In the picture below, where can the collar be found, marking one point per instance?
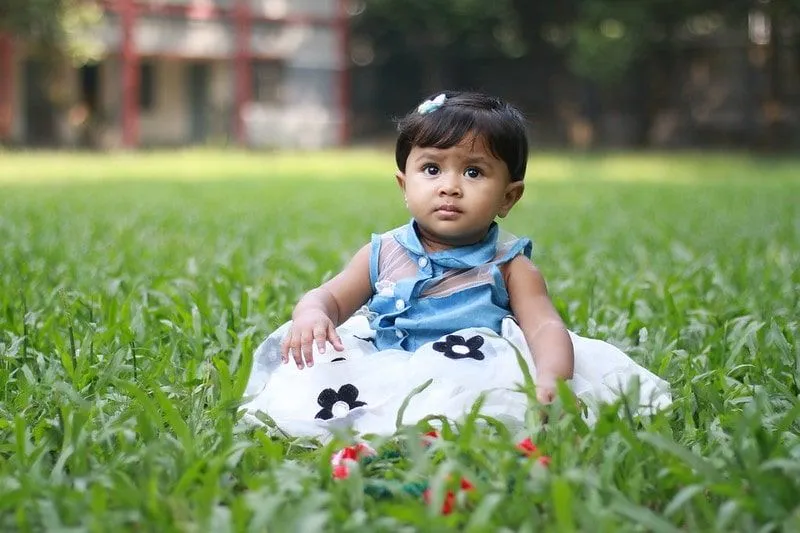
(471, 256)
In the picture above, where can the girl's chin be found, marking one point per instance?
(444, 237)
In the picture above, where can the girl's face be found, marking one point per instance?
(455, 193)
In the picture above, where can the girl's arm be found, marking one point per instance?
(320, 310)
(544, 330)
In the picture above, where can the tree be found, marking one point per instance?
(54, 29)
(56, 35)
(582, 59)
(438, 35)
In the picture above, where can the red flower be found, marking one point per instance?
(341, 471)
(429, 437)
(449, 502)
(527, 447)
(447, 505)
(350, 454)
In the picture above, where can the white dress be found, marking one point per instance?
(364, 389)
(424, 311)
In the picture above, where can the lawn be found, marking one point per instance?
(134, 288)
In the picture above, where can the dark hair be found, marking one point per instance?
(501, 125)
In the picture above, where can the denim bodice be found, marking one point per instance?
(419, 296)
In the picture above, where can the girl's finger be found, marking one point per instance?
(297, 353)
(285, 347)
(335, 339)
(306, 341)
(319, 336)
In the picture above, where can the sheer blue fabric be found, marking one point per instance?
(420, 297)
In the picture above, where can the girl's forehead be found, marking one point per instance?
(469, 145)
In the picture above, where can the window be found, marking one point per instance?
(90, 86)
(147, 86)
(267, 78)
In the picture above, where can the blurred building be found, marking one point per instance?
(181, 72)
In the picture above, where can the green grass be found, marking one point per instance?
(133, 289)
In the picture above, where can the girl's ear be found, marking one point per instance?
(401, 179)
(512, 195)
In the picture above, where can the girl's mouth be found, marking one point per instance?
(447, 212)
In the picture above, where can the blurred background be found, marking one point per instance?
(657, 74)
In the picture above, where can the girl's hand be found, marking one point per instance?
(311, 326)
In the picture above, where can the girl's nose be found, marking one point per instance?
(450, 185)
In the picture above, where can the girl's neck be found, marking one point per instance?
(433, 244)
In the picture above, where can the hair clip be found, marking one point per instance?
(431, 105)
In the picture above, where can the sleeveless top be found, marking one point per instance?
(419, 296)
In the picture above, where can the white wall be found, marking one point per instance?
(308, 118)
(319, 50)
(188, 38)
(304, 45)
(221, 101)
(282, 8)
(221, 92)
(111, 102)
(168, 121)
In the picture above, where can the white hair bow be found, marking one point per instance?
(431, 105)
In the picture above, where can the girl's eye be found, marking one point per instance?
(473, 172)
(430, 169)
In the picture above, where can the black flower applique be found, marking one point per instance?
(455, 347)
(338, 403)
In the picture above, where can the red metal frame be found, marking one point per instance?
(130, 75)
(6, 85)
(343, 34)
(242, 62)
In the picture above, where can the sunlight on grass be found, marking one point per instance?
(192, 165)
(368, 164)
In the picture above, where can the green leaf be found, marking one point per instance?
(643, 516)
(562, 503)
(404, 405)
(691, 460)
